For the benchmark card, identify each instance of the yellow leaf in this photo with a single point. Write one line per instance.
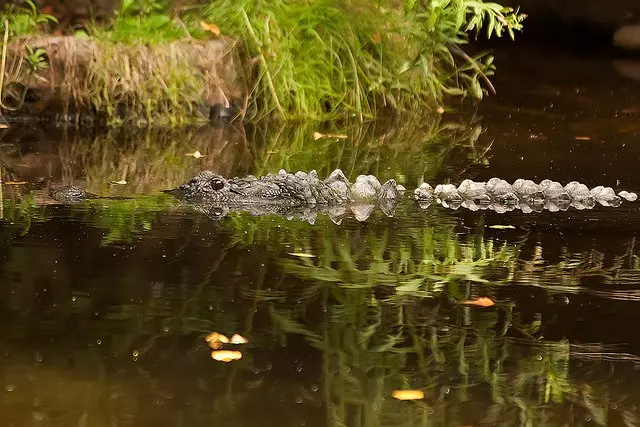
(3, 126)
(210, 27)
(226, 355)
(238, 339)
(195, 154)
(215, 345)
(121, 182)
(407, 394)
(502, 227)
(15, 182)
(302, 255)
(216, 336)
(318, 135)
(583, 138)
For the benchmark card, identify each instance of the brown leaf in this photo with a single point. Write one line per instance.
(480, 302)
(15, 182)
(210, 27)
(583, 138)
(4, 126)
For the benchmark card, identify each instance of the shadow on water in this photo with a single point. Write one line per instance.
(512, 319)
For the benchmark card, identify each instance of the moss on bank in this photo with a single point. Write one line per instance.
(299, 59)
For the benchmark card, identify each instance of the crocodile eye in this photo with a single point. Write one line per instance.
(216, 183)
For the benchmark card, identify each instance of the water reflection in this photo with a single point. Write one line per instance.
(107, 306)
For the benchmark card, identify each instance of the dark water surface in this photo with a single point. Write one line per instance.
(105, 306)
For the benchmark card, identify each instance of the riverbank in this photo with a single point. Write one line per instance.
(283, 59)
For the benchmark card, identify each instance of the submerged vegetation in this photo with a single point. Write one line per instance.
(298, 59)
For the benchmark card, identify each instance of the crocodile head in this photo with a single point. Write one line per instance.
(209, 187)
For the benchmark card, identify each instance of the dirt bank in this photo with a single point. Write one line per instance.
(185, 80)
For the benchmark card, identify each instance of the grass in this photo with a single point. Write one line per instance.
(301, 59)
(328, 58)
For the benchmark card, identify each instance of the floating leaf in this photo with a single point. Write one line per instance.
(215, 345)
(583, 138)
(210, 27)
(302, 255)
(121, 182)
(216, 336)
(226, 355)
(407, 394)
(480, 302)
(238, 339)
(195, 154)
(4, 126)
(15, 182)
(318, 135)
(502, 227)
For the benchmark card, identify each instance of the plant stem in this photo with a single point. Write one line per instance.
(263, 61)
(4, 58)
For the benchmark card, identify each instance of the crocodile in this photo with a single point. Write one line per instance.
(304, 195)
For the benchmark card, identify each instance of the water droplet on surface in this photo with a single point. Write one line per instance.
(298, 399)
(99, 341)
(10, 387)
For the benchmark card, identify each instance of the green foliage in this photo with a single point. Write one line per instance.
(36, 59)
(24, 20)
(327, 58)
(144, 21)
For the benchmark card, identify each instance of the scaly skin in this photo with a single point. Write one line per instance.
(303, 195)
(526, 195)
(286, 189)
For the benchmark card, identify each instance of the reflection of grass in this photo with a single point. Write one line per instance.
(407, 152)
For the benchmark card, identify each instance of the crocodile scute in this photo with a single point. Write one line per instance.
(525, 195)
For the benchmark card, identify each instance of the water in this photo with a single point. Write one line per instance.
(106, 306)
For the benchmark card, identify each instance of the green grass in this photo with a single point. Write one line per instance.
(327, 58)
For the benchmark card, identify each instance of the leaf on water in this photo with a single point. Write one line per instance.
(216, 336)
(4, 126)
(210, 27)
(480, 302)
(226, 355)
(15, 182)
(215, 345)
(238, 339)
(302, 255)
(583, 138)
(121, 182)
(502, 227)
(407, 394)
(195, 154)
(318, 135)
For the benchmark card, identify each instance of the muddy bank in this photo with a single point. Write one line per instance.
(91, 80)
